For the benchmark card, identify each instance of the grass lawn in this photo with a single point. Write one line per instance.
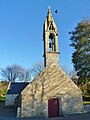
(1, 103)
(86, 102)
(2, 98)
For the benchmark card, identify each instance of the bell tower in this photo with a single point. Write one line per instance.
(50, 37)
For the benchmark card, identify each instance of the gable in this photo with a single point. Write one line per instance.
(52, 79)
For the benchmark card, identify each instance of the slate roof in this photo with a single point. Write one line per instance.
(17, 87)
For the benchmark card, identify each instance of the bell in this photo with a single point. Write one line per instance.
(50, 46)
(52, 43)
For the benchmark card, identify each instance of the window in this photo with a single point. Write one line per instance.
(52, 43)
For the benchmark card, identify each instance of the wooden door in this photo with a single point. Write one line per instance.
(53, 107)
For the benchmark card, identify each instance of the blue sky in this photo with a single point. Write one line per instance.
(21, 29)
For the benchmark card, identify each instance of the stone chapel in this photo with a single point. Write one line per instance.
(52, 93)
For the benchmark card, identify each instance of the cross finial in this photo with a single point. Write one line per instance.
(49, 9)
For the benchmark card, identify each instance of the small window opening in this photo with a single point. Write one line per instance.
(51, 27)
(51, 43)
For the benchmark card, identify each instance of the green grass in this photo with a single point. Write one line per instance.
(86, 102)
(2, 103)
(86, 95)
(2, 98)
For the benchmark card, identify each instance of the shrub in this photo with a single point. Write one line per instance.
(86, 98)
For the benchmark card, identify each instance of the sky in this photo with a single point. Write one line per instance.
(21, 29)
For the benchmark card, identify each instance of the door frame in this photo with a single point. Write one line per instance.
(49, 107)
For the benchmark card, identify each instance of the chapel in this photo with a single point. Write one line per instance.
(51, 93)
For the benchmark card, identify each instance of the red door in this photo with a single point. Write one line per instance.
(53, 107)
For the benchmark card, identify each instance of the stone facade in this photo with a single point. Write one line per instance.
(10, 99)
(51, 84)
(86, 108)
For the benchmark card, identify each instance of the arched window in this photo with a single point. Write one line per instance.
(51, 27)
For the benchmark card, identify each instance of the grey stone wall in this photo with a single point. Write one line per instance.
(52, 82)
(52, 58)
(87, 108)
(10, 99)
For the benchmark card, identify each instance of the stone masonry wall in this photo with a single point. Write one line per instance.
(10, 99)
(52, 82)
(87, 108)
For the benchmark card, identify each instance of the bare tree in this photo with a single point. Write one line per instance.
(25, 75)
(65, 69)
(14, 73)
(73, 76)
(36, 69)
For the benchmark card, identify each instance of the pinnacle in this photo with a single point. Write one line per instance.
(49, 11)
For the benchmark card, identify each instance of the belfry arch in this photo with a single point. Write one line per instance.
(52, 45)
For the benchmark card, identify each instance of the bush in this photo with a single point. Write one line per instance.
(86, 98)
(85, 88)
(86, 103)
(2, 98)
(88, 87)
